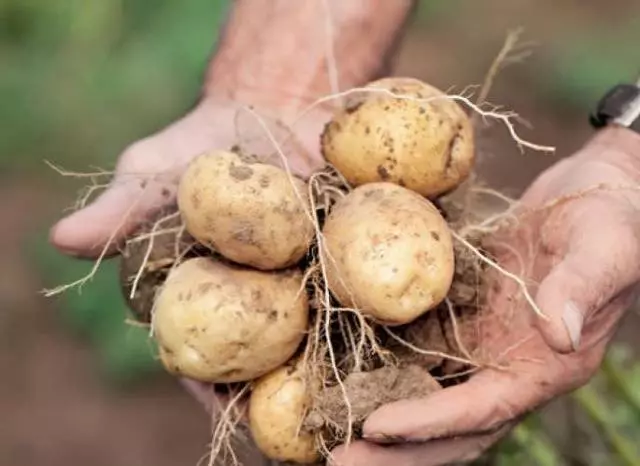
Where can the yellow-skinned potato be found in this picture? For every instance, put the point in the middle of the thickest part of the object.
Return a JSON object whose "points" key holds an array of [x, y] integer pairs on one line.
{"points": [[425, 146], [221, 323], [251, 213], [389, 253], [277, 407]]}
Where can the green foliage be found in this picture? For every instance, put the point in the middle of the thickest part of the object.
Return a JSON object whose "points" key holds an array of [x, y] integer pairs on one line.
{"points": [[607, 419], [582, 69], [429, 11], [82, 79], [597, 407], [621, 372]]}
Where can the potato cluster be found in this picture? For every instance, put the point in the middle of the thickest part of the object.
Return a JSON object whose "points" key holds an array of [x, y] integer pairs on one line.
{"points": [[238, 311]]}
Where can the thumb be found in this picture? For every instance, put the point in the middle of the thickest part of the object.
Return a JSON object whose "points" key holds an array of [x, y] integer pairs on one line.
{"points": [[586, 280], [101, 226]]}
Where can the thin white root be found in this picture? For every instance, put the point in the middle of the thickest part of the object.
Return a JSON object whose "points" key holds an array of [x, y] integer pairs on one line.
{"points": [[285, 162], [87, 192], [324, 448], [154, 234], [63, 172], [226, 424], [81, 281], [328, 310], [455, 375], [512, 51], [595, 189], [521, 283], [145, 260], [438, 354], [176, 244], [493, 113], [151, 237], [492, 222], [456, 333], [492, 192], [327, 322]]}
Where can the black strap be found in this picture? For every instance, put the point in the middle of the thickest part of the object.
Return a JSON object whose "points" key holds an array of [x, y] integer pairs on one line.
{"points": [[613, 105]]}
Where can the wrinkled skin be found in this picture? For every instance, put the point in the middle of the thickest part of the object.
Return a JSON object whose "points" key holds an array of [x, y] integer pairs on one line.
{"points": [[585, 253], [162, 157], [148, 171], [585, 258]]}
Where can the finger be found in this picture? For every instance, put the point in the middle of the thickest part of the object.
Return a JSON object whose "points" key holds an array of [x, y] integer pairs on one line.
{"points": [[111, 217], [482, 405], [203, 393], [590, 276], [432, 453]]}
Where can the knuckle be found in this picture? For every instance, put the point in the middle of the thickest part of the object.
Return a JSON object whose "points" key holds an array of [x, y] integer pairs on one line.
{"points": [[148, 174]]}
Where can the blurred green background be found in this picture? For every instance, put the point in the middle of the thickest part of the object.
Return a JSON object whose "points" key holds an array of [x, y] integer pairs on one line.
{"points": [[80, 80]]}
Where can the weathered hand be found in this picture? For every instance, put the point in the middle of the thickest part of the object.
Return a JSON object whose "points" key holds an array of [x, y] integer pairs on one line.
{"points": [[148, 171], [584, 252]]}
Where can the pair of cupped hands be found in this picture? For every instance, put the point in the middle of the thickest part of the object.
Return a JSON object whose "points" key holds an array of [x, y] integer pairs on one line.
{"points": [[577, 243]]}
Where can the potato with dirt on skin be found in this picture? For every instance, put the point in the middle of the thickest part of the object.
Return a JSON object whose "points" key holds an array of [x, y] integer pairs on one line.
{"points": [[221, 323], [278, 405], [388, 252], [426, 146], [251, 213]]}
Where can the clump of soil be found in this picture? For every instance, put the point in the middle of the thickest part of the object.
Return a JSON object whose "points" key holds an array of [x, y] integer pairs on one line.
{"points": [[449, 346], [366, 392], [149, 255]]}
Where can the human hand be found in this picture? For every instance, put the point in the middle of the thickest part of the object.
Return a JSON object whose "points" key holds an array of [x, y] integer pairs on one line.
{"points": [[582, 245], [148, 171]]}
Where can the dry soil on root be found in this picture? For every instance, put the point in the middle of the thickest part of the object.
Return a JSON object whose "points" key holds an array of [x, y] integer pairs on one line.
{"points": [[167, 241], [366, 392]]}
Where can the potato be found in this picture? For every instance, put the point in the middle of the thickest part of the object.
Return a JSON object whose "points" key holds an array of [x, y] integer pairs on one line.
{"points": [[251, 213], [277, 407], [427, 147], [388, 252], [221, 323]]}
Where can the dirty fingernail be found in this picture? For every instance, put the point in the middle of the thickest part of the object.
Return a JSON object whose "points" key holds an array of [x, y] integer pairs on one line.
{"points": [[383, 438], [573, 320]]}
